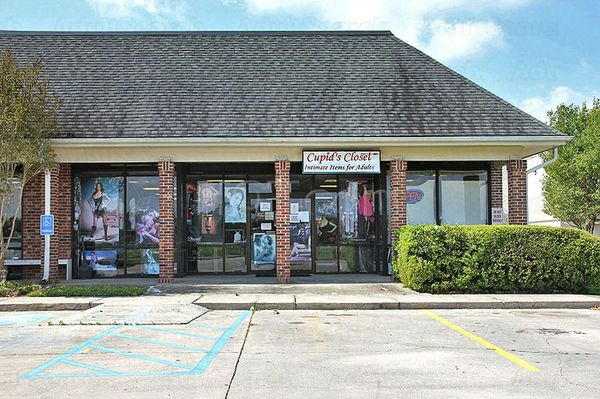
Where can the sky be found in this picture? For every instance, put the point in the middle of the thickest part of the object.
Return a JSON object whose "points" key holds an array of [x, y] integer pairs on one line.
{"points": [[535, 54]]}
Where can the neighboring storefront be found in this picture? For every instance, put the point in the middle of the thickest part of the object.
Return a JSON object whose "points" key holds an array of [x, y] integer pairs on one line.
{"points": [[267, 153]]}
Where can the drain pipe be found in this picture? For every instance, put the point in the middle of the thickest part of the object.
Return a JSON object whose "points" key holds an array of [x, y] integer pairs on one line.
{"points": [[46, 266], [534, 170]]}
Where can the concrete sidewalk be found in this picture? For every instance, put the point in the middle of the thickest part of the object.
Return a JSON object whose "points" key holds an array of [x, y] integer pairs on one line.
{"points": [[390, 300], [165, 299]]}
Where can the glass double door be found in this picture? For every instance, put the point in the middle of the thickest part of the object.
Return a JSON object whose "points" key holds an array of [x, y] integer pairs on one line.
{"points": [[230, 225], [334, 220]]}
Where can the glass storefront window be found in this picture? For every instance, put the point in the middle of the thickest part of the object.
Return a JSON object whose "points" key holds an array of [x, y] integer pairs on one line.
{"points": [[103, 262], [463, 197], [99, 208], [301, 213], [326, 217], [420, 197], [326, 260], [204, 202], [262, 223], [117, 222], [357, 210], [235, 258], [357, 258], [235, 213], [349, 258], [143, 261], [300, 234], [143, 228], [209, 259]]}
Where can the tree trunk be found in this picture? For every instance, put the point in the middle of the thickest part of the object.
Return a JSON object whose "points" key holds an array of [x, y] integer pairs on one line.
{"points": [[3, 270]]}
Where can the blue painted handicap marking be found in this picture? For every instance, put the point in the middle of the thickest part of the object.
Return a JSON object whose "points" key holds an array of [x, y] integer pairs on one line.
{"points": [[95, 343], [47, 225], [23, 319]]}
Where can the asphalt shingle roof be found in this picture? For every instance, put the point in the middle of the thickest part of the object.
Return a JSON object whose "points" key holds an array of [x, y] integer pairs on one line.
{"points": [[257, 84]]}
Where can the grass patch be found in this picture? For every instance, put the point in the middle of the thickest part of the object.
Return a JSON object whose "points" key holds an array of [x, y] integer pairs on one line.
{"points": [[12, 289], [89, 290]]}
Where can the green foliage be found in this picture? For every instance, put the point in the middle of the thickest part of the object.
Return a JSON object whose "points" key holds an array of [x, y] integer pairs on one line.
{"points": [[572, 185], [12, 288], [27, 122], [487, 259], [90, 290]]}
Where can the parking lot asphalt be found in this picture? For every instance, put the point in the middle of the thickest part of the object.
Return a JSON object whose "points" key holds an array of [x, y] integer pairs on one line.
{"points": [[309, 354]]}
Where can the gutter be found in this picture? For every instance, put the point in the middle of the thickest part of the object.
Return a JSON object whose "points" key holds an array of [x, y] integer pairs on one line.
{"points": [[304, 141], [534, 170], [548, 162]]}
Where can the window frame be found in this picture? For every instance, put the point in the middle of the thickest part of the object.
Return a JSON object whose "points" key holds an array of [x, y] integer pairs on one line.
{"points": [[436, 167]]}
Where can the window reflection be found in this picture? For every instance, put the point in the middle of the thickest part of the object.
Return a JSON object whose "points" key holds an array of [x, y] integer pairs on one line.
{"points": [[420, 197], [13, 217], [464, 197]]}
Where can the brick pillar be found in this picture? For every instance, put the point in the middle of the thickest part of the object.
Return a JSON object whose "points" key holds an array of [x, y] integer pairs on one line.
{"points": [[282, 220], [496, 185], [64, 213], [397, 196], [54, 239], [166, 193], [517, 192]]}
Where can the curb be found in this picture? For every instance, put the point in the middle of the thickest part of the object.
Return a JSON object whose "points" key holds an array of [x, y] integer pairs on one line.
{"points": [[46, 307], [519, 305]]}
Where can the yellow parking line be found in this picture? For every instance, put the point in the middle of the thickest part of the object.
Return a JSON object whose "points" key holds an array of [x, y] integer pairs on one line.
{"points": [[315, 327], [481, 341]]}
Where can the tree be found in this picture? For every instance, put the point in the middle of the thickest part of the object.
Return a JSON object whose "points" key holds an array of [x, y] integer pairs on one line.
{"points": [[27, 122], [572, 184]]}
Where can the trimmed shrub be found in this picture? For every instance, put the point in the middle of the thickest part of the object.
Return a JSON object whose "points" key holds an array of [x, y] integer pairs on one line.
{"points": [[486, 259]]}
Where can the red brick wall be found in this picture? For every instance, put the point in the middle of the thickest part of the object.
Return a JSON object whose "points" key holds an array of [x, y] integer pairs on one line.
{"points": [[496, 184], [166, 192], [397, 196], [33, 207], [282, 220], [517, 192], [60, 206], [30, 272]]}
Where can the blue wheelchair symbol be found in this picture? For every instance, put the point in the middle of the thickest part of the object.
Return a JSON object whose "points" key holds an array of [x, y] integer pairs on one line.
{"points": [[47, 225]]}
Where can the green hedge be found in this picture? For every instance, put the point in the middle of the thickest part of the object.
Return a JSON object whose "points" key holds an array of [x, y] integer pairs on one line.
{"points": [[485, 259]]}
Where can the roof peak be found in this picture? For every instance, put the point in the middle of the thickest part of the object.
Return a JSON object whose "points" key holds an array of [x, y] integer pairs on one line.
{"points": [[203, 33]]}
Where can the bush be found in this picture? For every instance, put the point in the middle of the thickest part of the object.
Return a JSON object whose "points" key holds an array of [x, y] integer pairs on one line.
{"points": [[485, 259]]}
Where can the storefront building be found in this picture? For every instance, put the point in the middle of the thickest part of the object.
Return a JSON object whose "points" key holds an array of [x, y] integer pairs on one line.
{"points": [[261, 152]]}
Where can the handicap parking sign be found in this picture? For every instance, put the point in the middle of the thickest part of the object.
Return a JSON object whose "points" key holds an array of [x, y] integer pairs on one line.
{"points": [[47, 225]]}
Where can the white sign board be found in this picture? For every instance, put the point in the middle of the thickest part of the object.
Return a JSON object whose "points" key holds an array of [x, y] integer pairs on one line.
{"points": [[497, 216], [318, 162]]}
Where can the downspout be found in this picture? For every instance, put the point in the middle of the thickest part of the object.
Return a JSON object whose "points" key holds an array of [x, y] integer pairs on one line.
{"points": [[47, 210], [534, 170]]}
